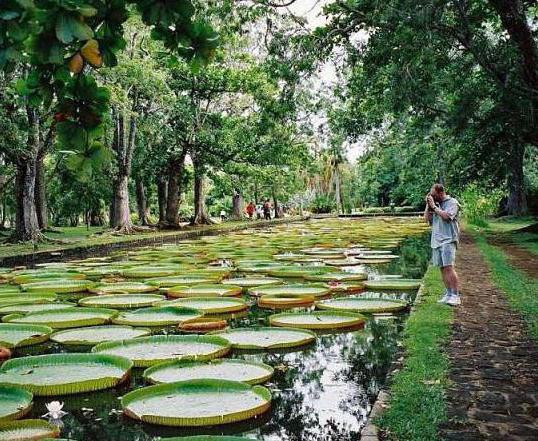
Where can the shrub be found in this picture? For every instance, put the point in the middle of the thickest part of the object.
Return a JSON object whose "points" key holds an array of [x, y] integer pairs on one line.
{"points": [[323, 203], [478, 205]]}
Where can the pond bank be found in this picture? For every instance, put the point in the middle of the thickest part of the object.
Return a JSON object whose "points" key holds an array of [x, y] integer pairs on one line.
{"points": [[106, 243]]}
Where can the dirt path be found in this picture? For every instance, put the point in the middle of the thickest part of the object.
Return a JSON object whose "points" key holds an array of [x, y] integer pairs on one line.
{"points": [[519, 257], [494, 364]]}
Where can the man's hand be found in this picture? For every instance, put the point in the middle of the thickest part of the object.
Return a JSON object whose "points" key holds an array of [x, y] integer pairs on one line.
{"points": [[430, 201]]}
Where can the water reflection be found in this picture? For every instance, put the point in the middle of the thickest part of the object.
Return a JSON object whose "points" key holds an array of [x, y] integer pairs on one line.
{"points": [[322, 392]]}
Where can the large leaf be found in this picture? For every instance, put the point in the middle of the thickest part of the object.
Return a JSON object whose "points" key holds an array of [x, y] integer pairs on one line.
{"points": [[62, 374], [15, 402], [93, 335], [204, 291], [17, 335], [327, 320], [318, 291], [362, 304], [226, 369], [121, 301], [147, 351], [197, 403], [28, 430], [65, 318], [266, 338], [396, 284], [210, 305], [157, 316]]}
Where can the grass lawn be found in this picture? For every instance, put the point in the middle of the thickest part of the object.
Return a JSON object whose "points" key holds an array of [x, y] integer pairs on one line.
{"points": [[521, 290], [417, 403], [508, 227]]}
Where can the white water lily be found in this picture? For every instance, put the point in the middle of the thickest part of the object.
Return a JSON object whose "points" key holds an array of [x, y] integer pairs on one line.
{"points": [[55, 411]]}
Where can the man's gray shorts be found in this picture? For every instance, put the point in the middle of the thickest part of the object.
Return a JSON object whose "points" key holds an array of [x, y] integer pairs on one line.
{"points": [[445, 255]]}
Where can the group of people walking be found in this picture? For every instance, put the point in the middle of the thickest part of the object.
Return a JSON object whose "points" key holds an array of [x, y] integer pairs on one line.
{"points": [[261, 211]]}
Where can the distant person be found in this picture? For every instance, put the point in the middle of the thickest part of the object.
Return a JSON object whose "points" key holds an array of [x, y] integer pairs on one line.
{"points": [[251, 208], [442, 214], [223, 215], [267, 210]]}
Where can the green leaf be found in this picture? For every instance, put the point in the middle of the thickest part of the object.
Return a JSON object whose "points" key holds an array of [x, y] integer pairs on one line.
{"points": [[9, 15], [81, 30], [64, 31]]}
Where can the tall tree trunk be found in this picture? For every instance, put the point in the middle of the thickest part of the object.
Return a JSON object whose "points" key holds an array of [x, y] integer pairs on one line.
{"points": [[26, 224], [238, 204], [275, 205], [161, 197], [517, 200], [41, 193], [201, 216], [338, 192], [122, 214], [141, 203], [175, 179]]}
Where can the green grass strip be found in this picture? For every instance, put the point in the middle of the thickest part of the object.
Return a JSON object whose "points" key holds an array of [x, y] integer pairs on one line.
{"points": [[418, 404], [520, 289]]}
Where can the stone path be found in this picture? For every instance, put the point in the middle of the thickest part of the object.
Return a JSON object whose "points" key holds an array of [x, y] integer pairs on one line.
{"points": [[494, 364]]}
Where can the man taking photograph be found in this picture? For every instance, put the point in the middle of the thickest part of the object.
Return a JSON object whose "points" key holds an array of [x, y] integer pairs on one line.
{"points": [[442, 214]]}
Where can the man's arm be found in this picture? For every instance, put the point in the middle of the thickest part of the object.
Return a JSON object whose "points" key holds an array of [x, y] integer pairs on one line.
{"points": [[449, 214], [428, 215]]}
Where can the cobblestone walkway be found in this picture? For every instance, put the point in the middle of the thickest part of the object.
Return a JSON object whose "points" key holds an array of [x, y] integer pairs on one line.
{"points": [[494, 364]]}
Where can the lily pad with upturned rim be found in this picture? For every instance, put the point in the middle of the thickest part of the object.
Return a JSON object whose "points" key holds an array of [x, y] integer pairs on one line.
{"points": [[317, 320], [15, 402], [122, 287], [210, 305], [197, 403], [93, 335], [121, 301], [225, 369], [65, 318], [394, 284], [314, 290], [147, 351], [26, 308], [205, 291], [27, 430], [14, 335], [284, 301], [266, 338], [157, 316], [63, 374], [58, 286], [248, 282], [367, 305]]}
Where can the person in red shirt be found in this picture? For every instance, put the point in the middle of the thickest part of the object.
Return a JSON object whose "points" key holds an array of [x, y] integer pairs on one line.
{"points": [[251, 208]]}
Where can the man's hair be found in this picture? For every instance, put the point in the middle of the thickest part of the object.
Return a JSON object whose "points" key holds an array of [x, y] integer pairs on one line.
{"points": [[438, 188]]}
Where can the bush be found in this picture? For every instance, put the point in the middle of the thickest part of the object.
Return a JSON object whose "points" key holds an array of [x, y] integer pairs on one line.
{"points": [[323, 203], [478, 205]]}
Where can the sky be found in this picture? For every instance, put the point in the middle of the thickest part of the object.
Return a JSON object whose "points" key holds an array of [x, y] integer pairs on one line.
{"points": [[311, 10]]}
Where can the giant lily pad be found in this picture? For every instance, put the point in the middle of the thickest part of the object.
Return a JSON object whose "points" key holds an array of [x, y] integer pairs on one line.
{"points": [[266, 338], [64, 318], [93, 335], [28, 430], [58, 286], [361, 304], [147, 351], [317, 320], [147, 271], [197, 403], [395, 284], [225, 369], [62, 374], [205, 291], [15, 402], [157, 316], [299, 271], [317, 291], [248, 282], [283, 301], [121, 301], [337, 277], [13, 335], [122, 287], [25, 308], [185, 280], [210, 305]]}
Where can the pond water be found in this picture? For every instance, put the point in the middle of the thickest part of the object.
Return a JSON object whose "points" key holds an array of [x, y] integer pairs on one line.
{"points": [[323, 391]]}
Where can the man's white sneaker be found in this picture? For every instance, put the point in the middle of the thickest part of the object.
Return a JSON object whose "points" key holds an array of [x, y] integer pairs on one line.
{"points": [[454, 300], [445, 298]]}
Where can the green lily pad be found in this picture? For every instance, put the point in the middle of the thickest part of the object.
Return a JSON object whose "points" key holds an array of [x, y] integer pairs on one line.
{"points": [[157, 316], [58, 286], [186, 280], [205, 291], [28, 430], [316, 291], [147, 351], [64, 318], [266, 338], [13, 335], [225, 369], [63, 374], [362, 305], [93, 335], [121, 301], [25, 308], [197, 403], [249, 282], [317, 320], [122, 287], [210, 305], [284, 301], [14, 402], [395, 284], [148, 271], [337, 277]]}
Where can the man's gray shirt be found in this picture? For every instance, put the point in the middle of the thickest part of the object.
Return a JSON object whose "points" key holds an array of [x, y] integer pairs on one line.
{"points": [[446, 231]]}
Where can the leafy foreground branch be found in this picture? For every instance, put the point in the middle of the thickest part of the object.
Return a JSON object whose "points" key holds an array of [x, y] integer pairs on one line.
{"points": [[418, 403]]}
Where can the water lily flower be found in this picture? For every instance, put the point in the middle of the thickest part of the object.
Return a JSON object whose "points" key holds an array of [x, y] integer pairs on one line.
{"points": [[55, 411]]}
